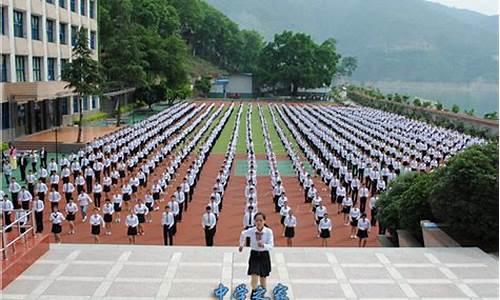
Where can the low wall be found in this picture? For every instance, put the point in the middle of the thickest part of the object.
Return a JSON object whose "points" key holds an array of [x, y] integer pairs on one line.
{"points": [[435, 237]]}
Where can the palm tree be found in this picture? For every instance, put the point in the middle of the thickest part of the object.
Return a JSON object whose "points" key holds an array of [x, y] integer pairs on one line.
{"points": [[82, 74]]}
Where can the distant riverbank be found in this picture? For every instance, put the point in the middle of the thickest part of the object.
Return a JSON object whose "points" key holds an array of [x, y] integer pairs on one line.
{"points": [[481, 96]]}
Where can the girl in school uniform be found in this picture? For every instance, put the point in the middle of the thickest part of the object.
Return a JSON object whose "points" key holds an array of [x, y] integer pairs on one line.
{"points": [[71, 210], [346, 209], [126, 194], [325, 228], [96, 222], [141, 210], [363, 229], [108, 211], [150, 204], [131, 222], [117, 206], [284, 212], [261, 242], [56, 218], [290, 224], [106, 183], [354, 215]]}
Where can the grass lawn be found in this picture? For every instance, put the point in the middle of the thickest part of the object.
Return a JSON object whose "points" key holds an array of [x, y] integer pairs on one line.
{"points": [[210, 128], [257, 133], [241, 146], [278, 147], [292, 140], [224, 139]]}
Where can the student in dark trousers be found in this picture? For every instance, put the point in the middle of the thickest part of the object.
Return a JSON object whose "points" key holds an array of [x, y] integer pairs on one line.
{"points": [[23, 163], [38, 206], [208, 222], [43, 158], [167, 222]]}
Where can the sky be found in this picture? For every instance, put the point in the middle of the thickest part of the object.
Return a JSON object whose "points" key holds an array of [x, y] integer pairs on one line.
{"points": [[487, 7]]}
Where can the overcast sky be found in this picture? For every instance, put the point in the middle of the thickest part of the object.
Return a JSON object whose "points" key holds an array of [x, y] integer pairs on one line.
{"points": [[487, 7]]}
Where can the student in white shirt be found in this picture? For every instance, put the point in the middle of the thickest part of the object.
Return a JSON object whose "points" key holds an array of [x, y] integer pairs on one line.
{"points": [[167, 222], [354, 215], [261, 242], [141, 210], [71, 210], [25, 197], [38, 206], [325, 228], [284, 212], [363, 229], [208, 222], [290, 224], [131, 222], [96, 222], [346, 209], [97, 189], [108, 211], [84, 201], [56, 218], [174, 207]]}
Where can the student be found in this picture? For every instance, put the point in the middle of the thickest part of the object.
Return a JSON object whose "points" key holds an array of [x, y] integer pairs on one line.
{"points": [[96, 222], [41, 189], [7, 209], [14, 189], [261, 242], [174, 208], [150, 204], [354, 215], [180, 198], [319, 213], [71, 210], [131, 222], [325, 228], [126, 194], [141, 210], [68, 189], [56, 218], [208, 222], [284, 212], [346, 209], [22, 218], [54, 198], [363, 229], [25, 197], [117, 206], [107, 182], [363, 196], [108, 211], [38, 206], [167, 222], [290, 224], [84, 201], [373, 210], [97, 194]]}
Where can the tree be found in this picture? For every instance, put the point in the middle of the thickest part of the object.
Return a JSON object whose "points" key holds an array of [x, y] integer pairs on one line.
{"points": [[203, 86], [417, 102], [491, 116], [293, 60], [82, 74], [455, 108], [439, 106], [470, 112], [465, 198]]}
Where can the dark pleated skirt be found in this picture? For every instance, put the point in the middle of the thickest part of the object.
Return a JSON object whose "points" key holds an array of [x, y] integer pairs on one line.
{"points": [[56, 228], [96, 229], [259, 263], [362, 234], [289, 232]]}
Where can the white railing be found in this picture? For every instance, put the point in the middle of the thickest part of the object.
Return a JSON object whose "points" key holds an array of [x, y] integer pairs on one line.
{"points": [[29, 228]]}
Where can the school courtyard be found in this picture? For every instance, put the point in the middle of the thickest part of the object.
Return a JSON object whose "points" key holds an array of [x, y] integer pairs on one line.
{"points": [[80, 271]]}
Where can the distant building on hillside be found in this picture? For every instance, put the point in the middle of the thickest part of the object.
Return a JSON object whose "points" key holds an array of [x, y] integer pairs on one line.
{"points": [[232, 86]]}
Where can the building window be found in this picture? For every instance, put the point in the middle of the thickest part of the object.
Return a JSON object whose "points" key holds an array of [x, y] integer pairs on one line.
{"points": [[5, 115], [51, 69], [76, 107], [85, 103], [4, 19], [50, 1], [20, 71], [18, 23], [62, 3], [72, 5], [64, 105], [50, 31], [62, 33], [35, 27], [37, 69], [64, 62], [92, 9], [74, 32], [94, 102], [92, 39], [82, 7], [3, 68]]}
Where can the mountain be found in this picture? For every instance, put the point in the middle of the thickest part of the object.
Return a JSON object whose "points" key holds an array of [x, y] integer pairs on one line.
{"points": [[393, 40]]}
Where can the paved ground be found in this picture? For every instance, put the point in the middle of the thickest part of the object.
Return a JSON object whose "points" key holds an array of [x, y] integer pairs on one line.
{"points": [[155, 272]]}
